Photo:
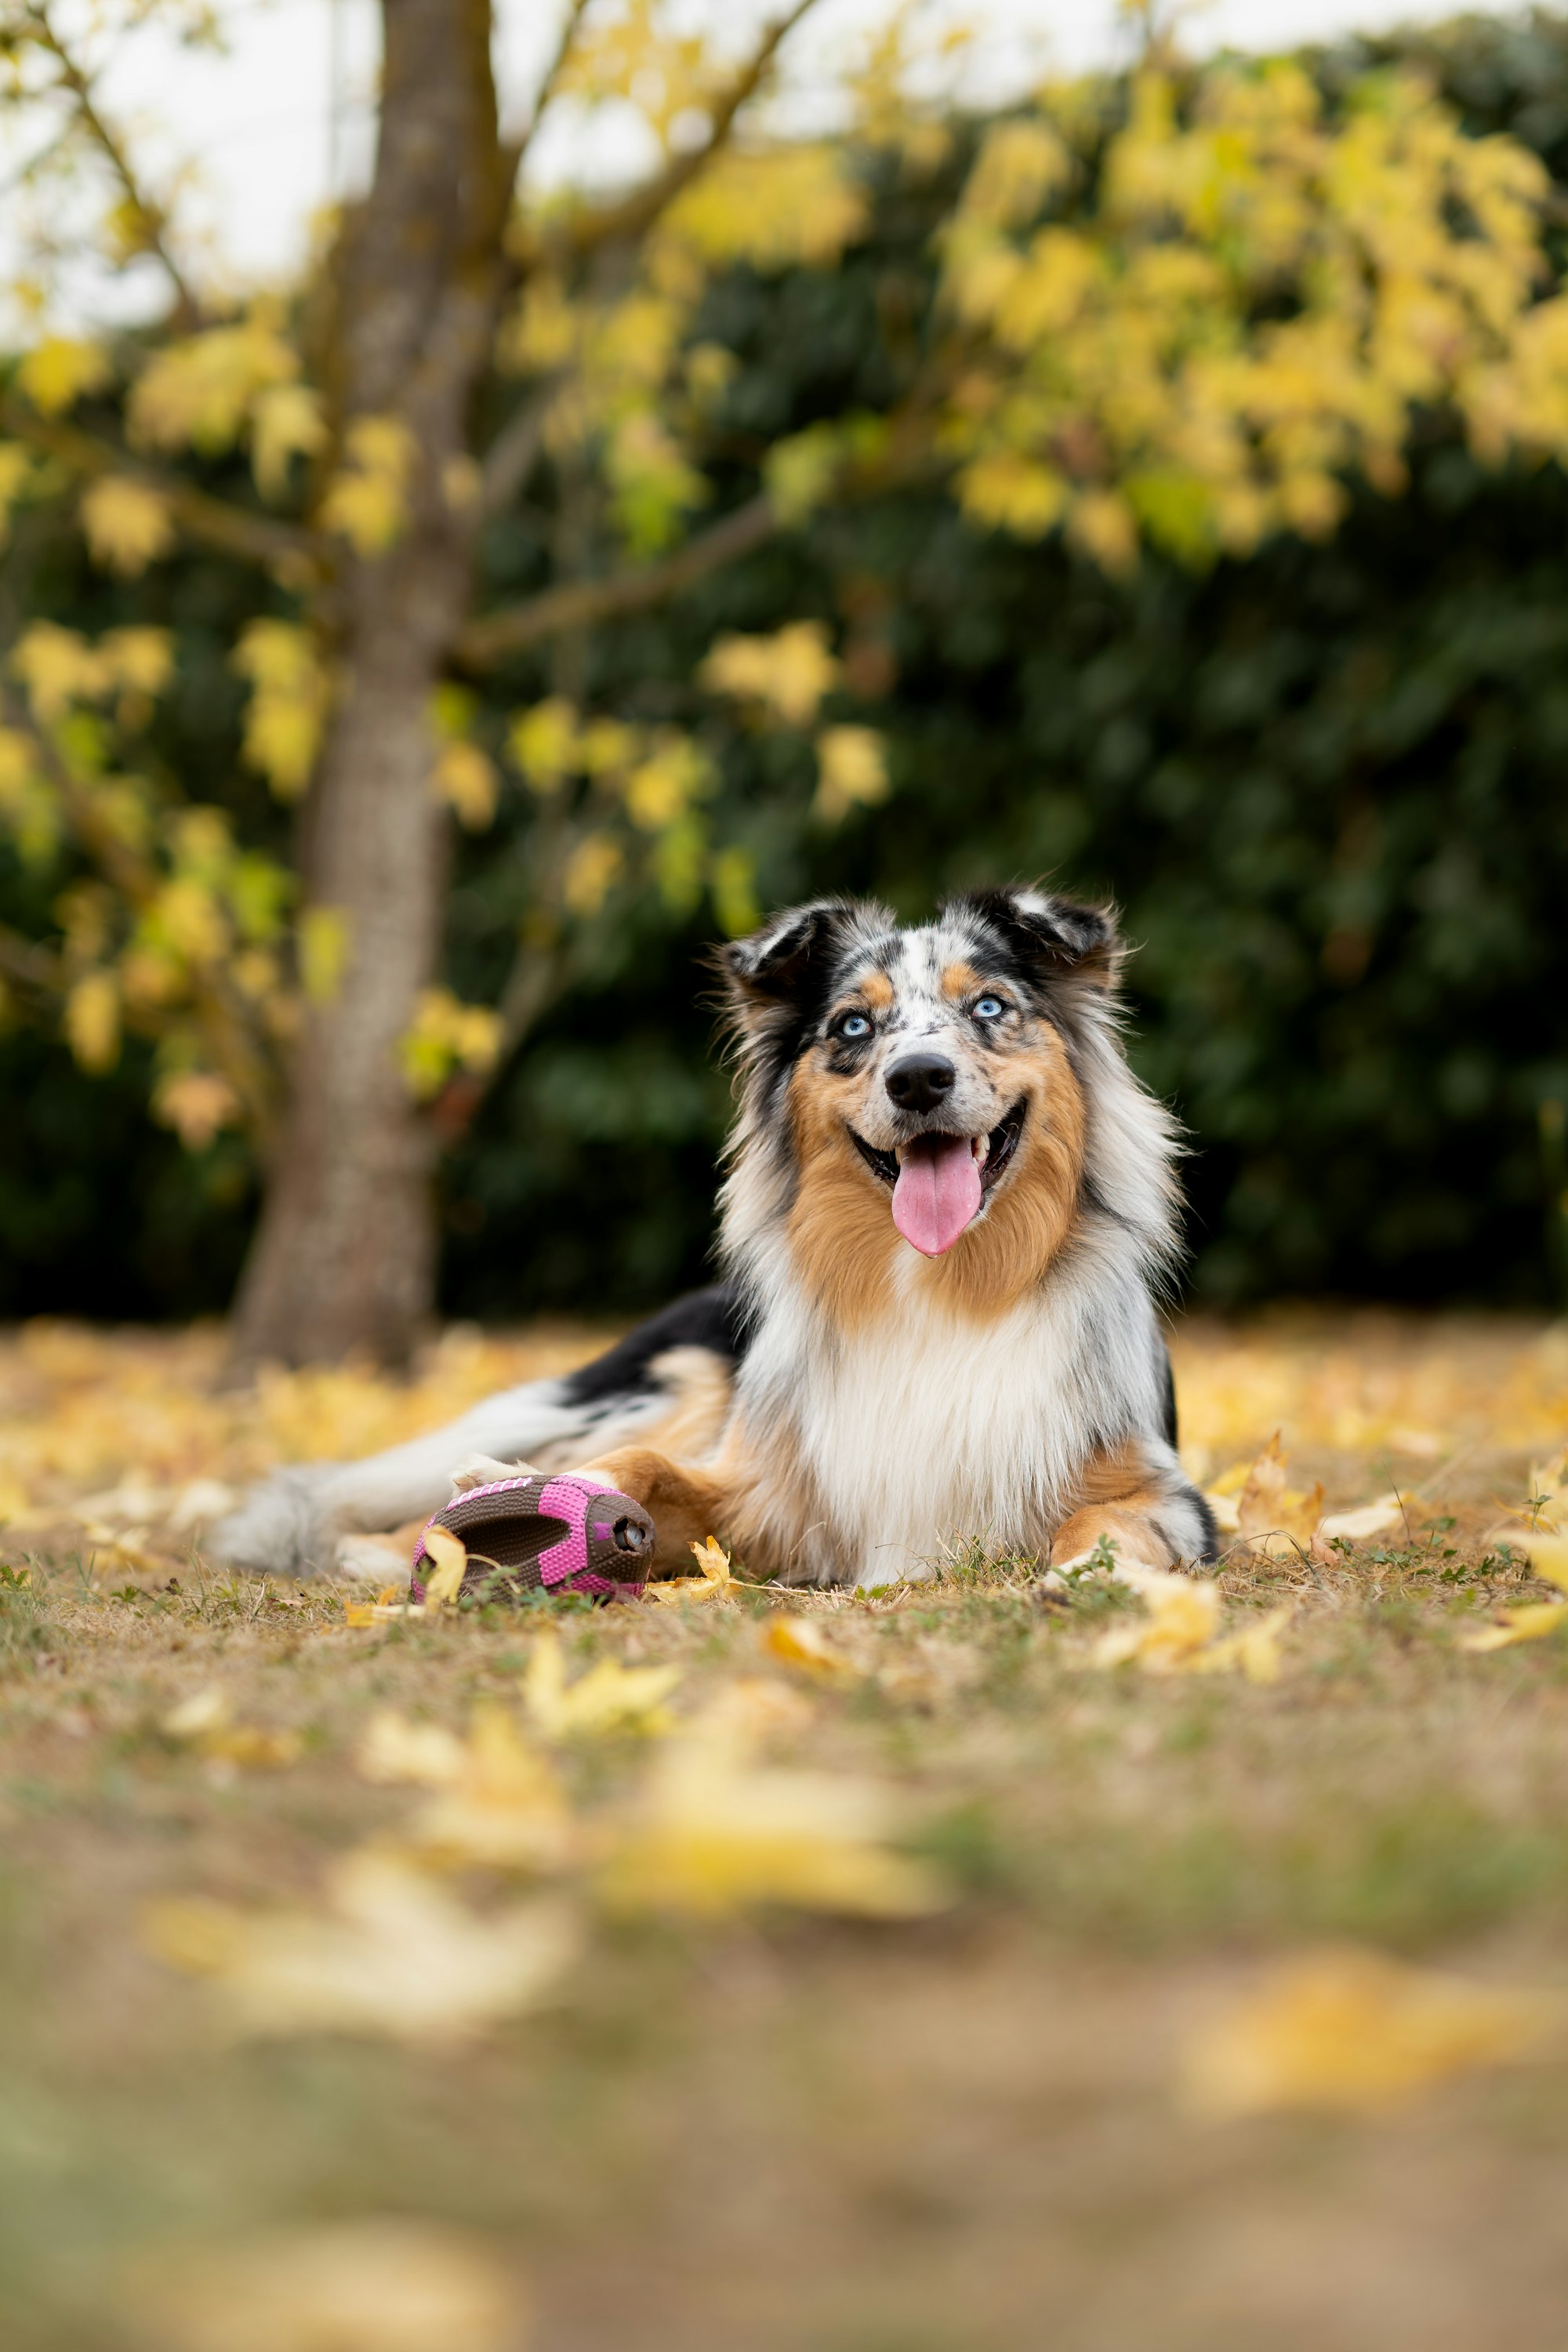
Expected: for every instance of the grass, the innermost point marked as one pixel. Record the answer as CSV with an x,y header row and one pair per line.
x,y
953,2135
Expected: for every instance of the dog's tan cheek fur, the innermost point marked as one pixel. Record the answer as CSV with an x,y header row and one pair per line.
x,y
994,1265
841,1228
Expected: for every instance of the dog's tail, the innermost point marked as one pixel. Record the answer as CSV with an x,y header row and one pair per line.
x,y
292,1524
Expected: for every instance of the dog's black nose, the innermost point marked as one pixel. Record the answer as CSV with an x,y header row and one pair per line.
x,y
921,1080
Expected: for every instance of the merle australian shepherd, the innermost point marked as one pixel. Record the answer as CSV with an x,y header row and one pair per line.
x,y
950,1204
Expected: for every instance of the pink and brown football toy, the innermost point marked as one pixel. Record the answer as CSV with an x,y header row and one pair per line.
x,y
535,1533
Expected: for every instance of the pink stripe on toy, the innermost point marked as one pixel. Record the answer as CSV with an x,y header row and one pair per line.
x,y
568,1498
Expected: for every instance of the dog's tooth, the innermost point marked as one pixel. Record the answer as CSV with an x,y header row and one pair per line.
x,y
980,1147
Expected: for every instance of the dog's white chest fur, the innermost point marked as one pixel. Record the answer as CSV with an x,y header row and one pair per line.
x,y
928,1432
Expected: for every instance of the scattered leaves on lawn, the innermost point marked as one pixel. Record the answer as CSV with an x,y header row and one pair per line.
x,y
714,1833
504,1807
1352,2030
377,2286
450,1555
396,1954
1181,1632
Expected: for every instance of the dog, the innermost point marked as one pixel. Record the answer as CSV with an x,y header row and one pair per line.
x,y
949,1213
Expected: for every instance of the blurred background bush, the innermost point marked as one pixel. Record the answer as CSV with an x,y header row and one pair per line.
x,y
1324,784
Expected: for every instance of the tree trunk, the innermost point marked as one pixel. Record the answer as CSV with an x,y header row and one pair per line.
x,y
344,1256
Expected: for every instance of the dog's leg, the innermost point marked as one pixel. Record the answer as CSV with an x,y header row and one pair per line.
x,y
669,1381
688,1504
1136,1498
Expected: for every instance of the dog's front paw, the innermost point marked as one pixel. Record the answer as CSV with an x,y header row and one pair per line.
x,y
484,1470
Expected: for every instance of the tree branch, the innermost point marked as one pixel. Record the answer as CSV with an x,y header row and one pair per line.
x,y
511,455
151,216
258,538
580,603
638,212
515,150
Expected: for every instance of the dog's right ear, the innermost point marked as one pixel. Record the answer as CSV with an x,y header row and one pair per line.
x,y
780,975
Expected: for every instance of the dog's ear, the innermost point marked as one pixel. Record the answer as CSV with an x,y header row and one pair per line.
x,y
1050,938
780,975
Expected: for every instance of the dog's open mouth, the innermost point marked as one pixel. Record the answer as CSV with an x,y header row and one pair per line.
x,y
939,1182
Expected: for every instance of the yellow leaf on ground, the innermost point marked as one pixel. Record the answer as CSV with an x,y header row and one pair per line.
x,y
1548,1555
609,1698
205,1722
394,1956
450,1555
1369,1519
1254,1652
714,1833
804,1642
394,1748
1274,1517
505,1807
1183,1617
715,1579
1531,1623
1349,2029
379,2285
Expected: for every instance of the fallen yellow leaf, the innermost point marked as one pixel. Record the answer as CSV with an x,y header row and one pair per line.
x,y
714,1581
1369,1519
379,2285
1530,1623
504,1808
1253,1651
396,1954
713,1833
609,1698
205,1722
450,1555
1548,1555
804,1642
1276,1518
394,1748
1183,1616
1349,2029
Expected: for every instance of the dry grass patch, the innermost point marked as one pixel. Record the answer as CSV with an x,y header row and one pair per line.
x,y
757,2118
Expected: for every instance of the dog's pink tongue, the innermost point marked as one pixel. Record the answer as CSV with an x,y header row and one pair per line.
x,y
937,1193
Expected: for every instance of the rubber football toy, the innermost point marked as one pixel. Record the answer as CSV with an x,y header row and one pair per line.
x,y
532,1533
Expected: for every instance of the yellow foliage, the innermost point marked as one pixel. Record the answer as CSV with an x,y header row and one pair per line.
x,y
1354,2030
852,772
366,500
787,674
543,742
805,1644
290,699
662,787
92,1021
60,370
57,667
127,525
444,1036
466,781
594,869
206,1721
733,881
139,660
286,422
199,391
197,1104
771,207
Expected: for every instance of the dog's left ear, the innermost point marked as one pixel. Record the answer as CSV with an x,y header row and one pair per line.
x,y
1052,938
783,972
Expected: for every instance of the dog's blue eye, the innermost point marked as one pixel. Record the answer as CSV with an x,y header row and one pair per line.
x,y
990,1008
855,1024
